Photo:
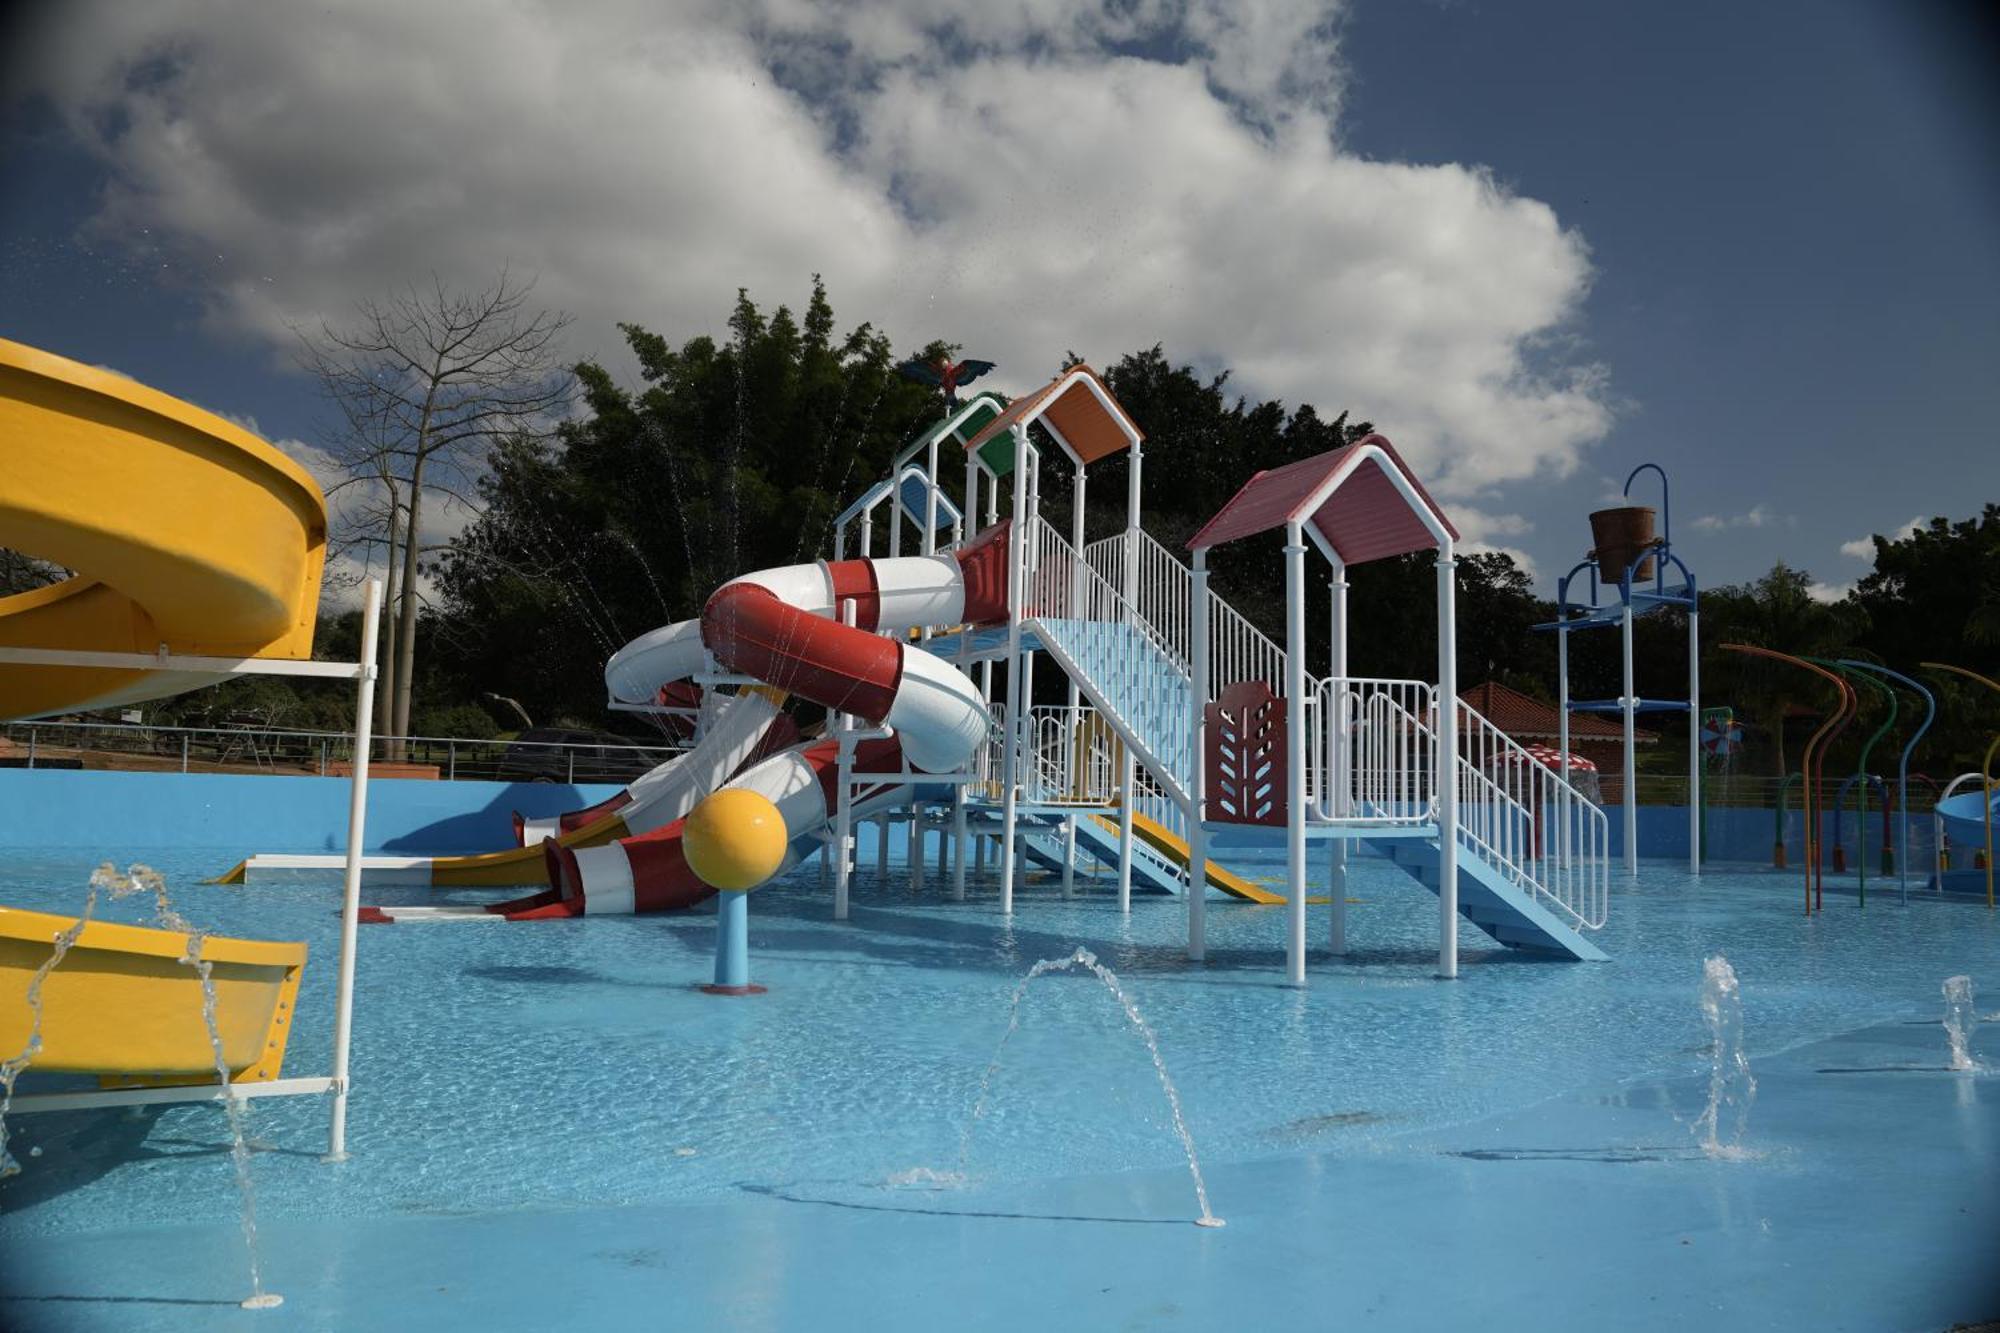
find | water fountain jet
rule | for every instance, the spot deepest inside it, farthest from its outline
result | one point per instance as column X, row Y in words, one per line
column 1961, row 1020
column 1731, row 1086
column 1085, row 959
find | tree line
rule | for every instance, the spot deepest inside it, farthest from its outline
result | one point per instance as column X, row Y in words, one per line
column 597, row 510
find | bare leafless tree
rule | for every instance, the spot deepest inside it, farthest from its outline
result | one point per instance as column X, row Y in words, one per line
column 423, row 383
column 25, row 573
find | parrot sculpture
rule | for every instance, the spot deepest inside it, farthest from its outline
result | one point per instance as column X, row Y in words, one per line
column 941, row 374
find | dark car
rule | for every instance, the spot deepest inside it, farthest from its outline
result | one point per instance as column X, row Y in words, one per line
column 574, row 754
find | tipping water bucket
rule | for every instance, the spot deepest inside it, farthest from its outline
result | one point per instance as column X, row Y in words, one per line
column 1616, row 536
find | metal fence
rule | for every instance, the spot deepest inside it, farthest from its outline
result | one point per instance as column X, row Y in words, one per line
column 1762, row 792
column 135, row 746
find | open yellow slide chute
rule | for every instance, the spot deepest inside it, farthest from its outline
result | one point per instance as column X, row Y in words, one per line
column 186, row 533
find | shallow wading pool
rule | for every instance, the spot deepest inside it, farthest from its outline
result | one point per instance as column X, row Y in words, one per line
column 551, row 1125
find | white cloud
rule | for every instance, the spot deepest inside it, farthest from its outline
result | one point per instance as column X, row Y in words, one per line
column 1828, row 592
column 1007, row 173
column 1759, row 516
column 1477, row 528
column 1863, row 548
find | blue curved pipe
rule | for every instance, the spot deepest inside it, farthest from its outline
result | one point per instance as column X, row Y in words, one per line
column 1903, row 766
column 1666, row 501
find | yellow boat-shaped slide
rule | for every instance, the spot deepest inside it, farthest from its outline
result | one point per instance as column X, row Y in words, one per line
column 124, row 1006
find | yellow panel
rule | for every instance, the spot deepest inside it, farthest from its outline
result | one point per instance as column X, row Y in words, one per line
column 122, row 1005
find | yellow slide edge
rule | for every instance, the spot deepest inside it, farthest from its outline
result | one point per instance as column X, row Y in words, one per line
column 1163, row 840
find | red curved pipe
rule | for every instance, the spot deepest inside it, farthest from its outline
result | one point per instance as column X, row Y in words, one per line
column 823, row 661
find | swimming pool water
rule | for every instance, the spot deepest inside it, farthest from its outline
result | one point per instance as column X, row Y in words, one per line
column 572, row 1064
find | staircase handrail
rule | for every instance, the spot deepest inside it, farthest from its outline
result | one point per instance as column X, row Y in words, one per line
column 1058, row 585
column 1238, row 650
column 1557, row 844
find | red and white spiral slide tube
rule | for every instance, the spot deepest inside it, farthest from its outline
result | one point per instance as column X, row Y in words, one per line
column 786, row 627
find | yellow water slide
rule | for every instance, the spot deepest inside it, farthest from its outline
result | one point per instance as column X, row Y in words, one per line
column 1174, row 848
column 187, row 534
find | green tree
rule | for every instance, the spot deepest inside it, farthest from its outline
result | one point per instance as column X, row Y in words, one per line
column 1935, row 594
column 729, row 456
column 1779, row 612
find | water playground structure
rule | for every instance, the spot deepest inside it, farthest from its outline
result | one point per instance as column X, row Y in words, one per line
column 1186, row 731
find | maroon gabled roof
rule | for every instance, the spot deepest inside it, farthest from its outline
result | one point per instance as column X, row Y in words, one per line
column 1366, row 519
column 1523, row 718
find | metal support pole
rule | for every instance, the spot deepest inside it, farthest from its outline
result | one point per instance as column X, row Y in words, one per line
column 843, row 827
column 929, row 546
column 1339, row 756
column 184, row 756
column 843, row 797
column 1128, row 784
column 1017, row 537
column 1197, row 885
column 732, row 947
column 357, row 839
column 1295, row 754
column 1694, row 737
column 958, row 836
column 1075, row 740
column 1629, row 705
column 1447, row 762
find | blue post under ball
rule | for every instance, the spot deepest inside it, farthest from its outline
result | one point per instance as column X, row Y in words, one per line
column 732, row 947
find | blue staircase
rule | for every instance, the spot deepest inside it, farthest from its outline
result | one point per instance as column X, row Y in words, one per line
column 1138, row 688
column 1042, row 843
column 1508, row 912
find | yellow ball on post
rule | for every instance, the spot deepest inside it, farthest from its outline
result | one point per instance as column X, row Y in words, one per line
column 734, row 840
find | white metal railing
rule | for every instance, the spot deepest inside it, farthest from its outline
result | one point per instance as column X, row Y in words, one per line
column 153, row 747
column 1163, row 593
column 1067, row 756
column 1370, row 752
column 1124, row 663
column 1530, row 823
column 1516, row 812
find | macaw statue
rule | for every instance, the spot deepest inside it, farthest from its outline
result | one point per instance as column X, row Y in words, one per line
column 941, row 374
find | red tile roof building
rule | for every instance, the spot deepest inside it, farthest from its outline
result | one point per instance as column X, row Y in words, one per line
column 1595, row 736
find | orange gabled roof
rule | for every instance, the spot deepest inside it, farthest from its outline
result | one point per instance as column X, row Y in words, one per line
column 1078, row 409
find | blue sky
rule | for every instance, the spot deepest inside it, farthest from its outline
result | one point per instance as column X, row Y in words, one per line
column 1538, row 242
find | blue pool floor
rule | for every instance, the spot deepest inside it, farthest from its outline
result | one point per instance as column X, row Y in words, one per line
column 552, row 1129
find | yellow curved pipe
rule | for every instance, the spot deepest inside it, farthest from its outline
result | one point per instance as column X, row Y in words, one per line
column 186, row 533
